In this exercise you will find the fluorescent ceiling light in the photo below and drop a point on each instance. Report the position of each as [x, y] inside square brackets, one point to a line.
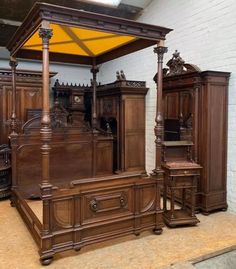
[107, 2]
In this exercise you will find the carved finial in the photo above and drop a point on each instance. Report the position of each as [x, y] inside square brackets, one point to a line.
[56, 82]
[176, 64]
[108, 128]
[122, 75]
[117, 75]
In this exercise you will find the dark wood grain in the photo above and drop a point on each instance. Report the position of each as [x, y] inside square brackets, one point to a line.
[204, 95]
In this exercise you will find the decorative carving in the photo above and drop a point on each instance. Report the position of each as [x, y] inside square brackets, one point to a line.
[147, 198]
[45, 34]
[93, 205]
[13, 121]
[159, 127]
[159, 50]
[123, 200]
[58, 116]
[176, 64]
[120, 76]
[135, 84]
[94, 70]
[62, 213]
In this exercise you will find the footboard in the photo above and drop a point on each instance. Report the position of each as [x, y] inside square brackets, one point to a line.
[94, 210]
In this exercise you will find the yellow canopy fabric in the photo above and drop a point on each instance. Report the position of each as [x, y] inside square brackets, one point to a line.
[79, 41]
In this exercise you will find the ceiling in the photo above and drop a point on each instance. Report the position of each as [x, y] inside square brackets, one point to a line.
[12, 12]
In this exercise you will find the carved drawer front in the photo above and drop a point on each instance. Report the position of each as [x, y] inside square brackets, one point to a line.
[107, 204]
[185, 181]
[185, 172]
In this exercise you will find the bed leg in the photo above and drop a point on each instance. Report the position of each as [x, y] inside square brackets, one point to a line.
[157, 231]
[46, 261]
[12, 202]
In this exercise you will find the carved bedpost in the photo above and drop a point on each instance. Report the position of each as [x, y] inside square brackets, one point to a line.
[13, 121]
[45, 33]
[94, 70]
[159, 127]
[159, 133]
[46, 133]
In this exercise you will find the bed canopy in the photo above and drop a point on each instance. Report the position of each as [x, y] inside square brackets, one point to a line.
[79, 37]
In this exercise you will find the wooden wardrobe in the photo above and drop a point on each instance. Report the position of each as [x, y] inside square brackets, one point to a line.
[28, 96]
[122, 105]
[195, 109]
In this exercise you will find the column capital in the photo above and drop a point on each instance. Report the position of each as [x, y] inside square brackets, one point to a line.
[94, 69]
[45, 34]
[160, 50]
[13, 62]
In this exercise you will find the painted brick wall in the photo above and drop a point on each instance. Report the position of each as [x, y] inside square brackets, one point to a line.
[66, 73]
[204, 33]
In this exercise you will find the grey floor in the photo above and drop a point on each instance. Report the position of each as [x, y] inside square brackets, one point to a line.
[223, 261]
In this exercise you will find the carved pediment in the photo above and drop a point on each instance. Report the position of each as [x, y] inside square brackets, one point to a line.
[177, 66]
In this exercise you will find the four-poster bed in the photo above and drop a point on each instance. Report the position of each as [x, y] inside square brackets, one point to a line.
[83, 199]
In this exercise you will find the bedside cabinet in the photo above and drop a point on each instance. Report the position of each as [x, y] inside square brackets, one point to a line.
[180, 176]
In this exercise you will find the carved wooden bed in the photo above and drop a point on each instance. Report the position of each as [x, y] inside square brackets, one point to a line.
[69, 167]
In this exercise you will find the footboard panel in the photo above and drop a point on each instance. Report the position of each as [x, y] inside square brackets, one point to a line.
[97, 210]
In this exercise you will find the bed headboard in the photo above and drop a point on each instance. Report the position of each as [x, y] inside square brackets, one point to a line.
[75, 153]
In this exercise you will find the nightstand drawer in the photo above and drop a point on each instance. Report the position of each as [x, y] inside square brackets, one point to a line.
[182, 182]
[184, 172]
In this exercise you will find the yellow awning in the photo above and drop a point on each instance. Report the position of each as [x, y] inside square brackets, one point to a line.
[79, 41]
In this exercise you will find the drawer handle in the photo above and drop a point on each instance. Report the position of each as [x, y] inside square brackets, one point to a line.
[185, 172]
[94, 205]
[123, 201]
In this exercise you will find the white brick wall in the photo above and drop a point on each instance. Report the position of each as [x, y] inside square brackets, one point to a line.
[66, 73]
[204, 33]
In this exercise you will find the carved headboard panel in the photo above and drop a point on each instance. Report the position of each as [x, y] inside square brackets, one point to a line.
[72, 156]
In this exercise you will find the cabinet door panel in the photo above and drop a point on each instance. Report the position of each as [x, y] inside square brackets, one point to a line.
[171, 107]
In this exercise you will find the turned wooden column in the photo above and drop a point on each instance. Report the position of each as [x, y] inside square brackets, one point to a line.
[13, 121]
[94, 70]
[45, 131]
[159, 126]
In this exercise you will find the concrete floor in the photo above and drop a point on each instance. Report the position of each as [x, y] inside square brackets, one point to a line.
[224, 261]
[148, 251]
